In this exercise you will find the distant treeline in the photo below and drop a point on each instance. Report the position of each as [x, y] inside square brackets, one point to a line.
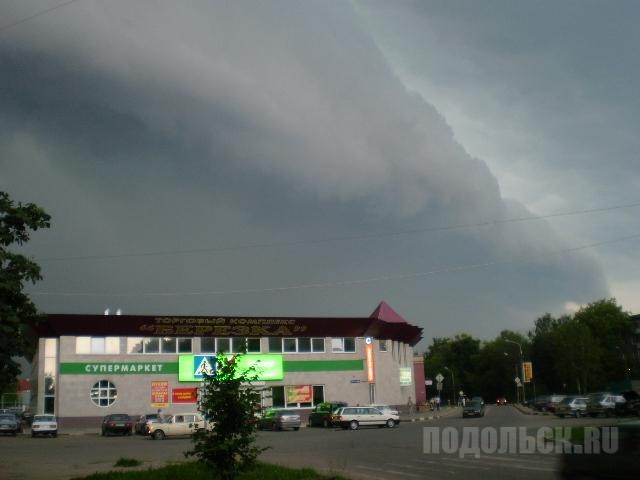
[588, 351]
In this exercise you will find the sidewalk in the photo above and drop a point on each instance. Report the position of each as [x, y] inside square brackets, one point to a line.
[431, 414]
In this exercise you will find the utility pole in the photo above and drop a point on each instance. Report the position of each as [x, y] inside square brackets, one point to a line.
[524, 399]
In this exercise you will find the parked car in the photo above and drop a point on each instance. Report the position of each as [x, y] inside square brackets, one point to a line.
[384, 408]
[44, 425]
[540, 403]
[178, 425]
[117, 423]
[473, 409]
[631, 405]
[554, 401]
[603, 403]
[10, 424]
[321, 416]
[354, 417]
[144, 421]
[279, 419]
[501, 401]
[572, 406]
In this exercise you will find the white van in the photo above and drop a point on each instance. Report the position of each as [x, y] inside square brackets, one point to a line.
[178, 425]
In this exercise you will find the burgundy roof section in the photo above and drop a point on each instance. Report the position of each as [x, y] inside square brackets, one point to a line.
[387, 314]
[383, 323]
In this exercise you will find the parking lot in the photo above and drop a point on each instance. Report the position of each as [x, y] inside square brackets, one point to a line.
[365, 453]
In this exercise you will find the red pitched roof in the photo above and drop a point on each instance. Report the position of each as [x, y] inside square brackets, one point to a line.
[387, 314]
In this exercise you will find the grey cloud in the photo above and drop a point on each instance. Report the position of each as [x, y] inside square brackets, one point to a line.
[229, 124]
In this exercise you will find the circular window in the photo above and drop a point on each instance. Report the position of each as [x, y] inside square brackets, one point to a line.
[104, 393]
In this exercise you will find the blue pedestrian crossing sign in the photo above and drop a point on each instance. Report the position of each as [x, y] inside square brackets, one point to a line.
[203, 366]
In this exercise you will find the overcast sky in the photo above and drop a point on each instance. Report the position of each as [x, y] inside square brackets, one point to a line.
[315, 158]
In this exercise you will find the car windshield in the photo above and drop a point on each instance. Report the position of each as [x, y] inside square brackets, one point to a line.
[7, 417]
[44, 418]
[567, 400]
[287, 412]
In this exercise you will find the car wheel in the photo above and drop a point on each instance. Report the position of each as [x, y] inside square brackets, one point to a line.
[353, 425]
[159, 435]
[391, 423]
[325, 423]
[33, 435]
[296, 428]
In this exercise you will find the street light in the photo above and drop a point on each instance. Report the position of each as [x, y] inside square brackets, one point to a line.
[524, 399]
[453, 386]
[515, 369]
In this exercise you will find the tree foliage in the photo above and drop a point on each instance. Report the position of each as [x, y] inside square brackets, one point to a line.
[579, 353]
[228, 402]
[18, 314]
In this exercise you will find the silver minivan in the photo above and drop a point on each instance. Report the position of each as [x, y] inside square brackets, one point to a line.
[354, 417]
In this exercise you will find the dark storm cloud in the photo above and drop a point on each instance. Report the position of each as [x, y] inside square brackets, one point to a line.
[213, 125]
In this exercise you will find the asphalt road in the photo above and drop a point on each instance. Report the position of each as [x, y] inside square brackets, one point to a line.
[366, 453]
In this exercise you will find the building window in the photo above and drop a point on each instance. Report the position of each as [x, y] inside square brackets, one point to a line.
[50, 374]
[280, 396]
[229, 345]
[253, 345]
[383, 345]
[304, 345]
[151, 345]
[97, 345]
[317, 345]
[207, 345]
[289, 345]
[343, 345]
[223, 345]
[275, 345]
[185, 345]
[135, 345]
[296, 345]
[104, 393]
[168, 345]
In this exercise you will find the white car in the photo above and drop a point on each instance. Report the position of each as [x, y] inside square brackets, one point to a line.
[180, 424]
[385, 408]
[354, 417]
[44, 425]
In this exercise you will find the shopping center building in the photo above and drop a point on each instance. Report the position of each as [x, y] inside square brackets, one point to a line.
[88, 366]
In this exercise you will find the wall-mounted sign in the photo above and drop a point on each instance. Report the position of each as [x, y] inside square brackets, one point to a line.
[159, 394]
[368, 351]
[299, 394]
[527, 370]
[118, 368]
[267, 366]
[184, 395]
[405, 376]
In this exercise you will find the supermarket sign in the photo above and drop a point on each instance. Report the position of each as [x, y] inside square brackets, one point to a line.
[194, 368]
[118, 368]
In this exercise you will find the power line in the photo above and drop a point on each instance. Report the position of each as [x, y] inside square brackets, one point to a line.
[341, 283]
[336, 239]
[3, 28]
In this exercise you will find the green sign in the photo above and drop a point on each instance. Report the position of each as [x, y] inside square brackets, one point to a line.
[267, 366]
[118, 368]
[405, 376]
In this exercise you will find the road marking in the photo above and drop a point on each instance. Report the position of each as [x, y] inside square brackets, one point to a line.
[421, 469]
[520, 466]
[393, 472]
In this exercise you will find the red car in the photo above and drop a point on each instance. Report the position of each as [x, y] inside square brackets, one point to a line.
[501, 401]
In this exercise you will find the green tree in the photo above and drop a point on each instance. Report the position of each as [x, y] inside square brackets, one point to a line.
[613, 331]
[578, 355]
[18, 314]
[228, 402]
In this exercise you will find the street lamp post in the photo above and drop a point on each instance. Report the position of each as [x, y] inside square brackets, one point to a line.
[524, 399]
[515, 370]
[453, 386]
